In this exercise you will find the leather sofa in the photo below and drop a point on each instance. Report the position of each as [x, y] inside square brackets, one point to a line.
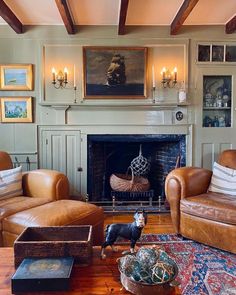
[45, 202]
[199, 214]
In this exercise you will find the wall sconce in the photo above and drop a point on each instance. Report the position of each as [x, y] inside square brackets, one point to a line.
[169, 79]
[59, 80]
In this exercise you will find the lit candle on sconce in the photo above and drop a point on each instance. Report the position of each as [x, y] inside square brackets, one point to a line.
[153, 77]
[163, 73]
[175, 75]
[65, 74]
[53, 75]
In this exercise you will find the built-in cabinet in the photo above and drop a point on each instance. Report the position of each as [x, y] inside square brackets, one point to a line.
[214, 89]
[61, 150]
[217, 94]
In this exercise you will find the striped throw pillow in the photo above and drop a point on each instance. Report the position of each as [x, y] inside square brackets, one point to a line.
[10, 183]
[223, 180]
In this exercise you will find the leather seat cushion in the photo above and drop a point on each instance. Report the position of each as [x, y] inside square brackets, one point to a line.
[62, 212]
[213, 206]
[13, 205]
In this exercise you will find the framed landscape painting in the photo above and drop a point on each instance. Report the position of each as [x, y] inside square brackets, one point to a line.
[16, 109]
[16, 77]
[114, 72]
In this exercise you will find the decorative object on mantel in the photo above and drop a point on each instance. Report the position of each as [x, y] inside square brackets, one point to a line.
[16, 77]
[16, 109]
[182, 93]
[153, 85]
[114, 72]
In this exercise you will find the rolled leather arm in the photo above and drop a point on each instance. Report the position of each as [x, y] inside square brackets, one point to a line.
[43, 183]
[182, 183]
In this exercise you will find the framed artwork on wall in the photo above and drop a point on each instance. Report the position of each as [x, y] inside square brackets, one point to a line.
[216, 53]
[16, 77]
[16, 109]
[230, 55]
[204, 53]
[114, 72]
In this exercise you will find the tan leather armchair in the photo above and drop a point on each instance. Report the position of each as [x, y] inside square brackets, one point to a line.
[43, 204]
[39, 187]
[199, 214]
[41, 183]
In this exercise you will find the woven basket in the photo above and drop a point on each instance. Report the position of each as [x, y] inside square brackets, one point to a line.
[125, 182]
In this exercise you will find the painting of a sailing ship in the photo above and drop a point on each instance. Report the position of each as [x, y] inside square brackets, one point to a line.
[114, 72]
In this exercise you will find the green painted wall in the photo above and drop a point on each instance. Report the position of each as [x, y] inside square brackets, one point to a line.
[28, 48]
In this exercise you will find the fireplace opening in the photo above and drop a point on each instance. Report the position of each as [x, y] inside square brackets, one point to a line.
[111, 154]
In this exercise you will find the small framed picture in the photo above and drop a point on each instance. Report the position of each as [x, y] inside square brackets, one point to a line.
[16, 109]
[204, 53]
[230, 53]
[16, 77]
[218, 53]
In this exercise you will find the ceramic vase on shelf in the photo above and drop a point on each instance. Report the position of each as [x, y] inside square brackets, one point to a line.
[182, 93]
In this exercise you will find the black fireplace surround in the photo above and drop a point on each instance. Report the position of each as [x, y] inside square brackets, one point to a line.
[109, 153]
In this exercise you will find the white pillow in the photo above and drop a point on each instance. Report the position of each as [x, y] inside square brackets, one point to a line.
[11, 183]
[223, 180]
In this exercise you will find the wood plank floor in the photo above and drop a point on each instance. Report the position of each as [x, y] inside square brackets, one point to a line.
[157, 223]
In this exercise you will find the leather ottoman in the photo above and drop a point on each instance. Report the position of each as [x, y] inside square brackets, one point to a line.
[59, 213]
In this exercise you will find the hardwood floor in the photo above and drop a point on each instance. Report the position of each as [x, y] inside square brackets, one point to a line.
[102, 276]
[157, 223]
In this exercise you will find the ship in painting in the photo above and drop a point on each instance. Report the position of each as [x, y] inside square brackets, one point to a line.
[116, 71]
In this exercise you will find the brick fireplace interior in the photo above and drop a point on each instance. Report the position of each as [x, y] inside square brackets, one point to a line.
[108, 154]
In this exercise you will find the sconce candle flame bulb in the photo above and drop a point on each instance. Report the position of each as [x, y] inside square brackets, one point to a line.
[53, 75]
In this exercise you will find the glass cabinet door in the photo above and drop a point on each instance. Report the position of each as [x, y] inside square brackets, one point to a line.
[217, 92]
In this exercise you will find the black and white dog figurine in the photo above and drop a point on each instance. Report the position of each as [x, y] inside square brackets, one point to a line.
[131, 231]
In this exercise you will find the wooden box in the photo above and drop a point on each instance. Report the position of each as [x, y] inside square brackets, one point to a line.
[42, 274]
[55, 241]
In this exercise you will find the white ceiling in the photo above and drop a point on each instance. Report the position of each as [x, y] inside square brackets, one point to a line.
[106, 12]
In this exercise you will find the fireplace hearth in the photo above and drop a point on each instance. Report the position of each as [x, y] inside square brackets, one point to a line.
[108, 154]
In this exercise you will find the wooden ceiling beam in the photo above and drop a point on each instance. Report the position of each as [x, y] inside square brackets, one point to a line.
[122, 16]
[230, 27]
[66, 16]
[181, 15]
[7, 14]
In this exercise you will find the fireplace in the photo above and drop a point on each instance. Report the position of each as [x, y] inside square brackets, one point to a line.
[108, 154]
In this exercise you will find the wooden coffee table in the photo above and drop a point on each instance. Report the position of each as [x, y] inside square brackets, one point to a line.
[100, 278]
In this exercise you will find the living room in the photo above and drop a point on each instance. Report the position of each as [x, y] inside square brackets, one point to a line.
[87, 126]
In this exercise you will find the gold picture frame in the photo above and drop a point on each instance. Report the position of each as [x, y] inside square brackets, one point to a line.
[16, 109]
[114, 72]
[16, 77]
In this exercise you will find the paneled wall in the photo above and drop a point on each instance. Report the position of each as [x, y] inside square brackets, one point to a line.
[47, 46]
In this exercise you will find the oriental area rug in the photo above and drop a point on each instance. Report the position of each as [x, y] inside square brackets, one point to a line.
[203, 270]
